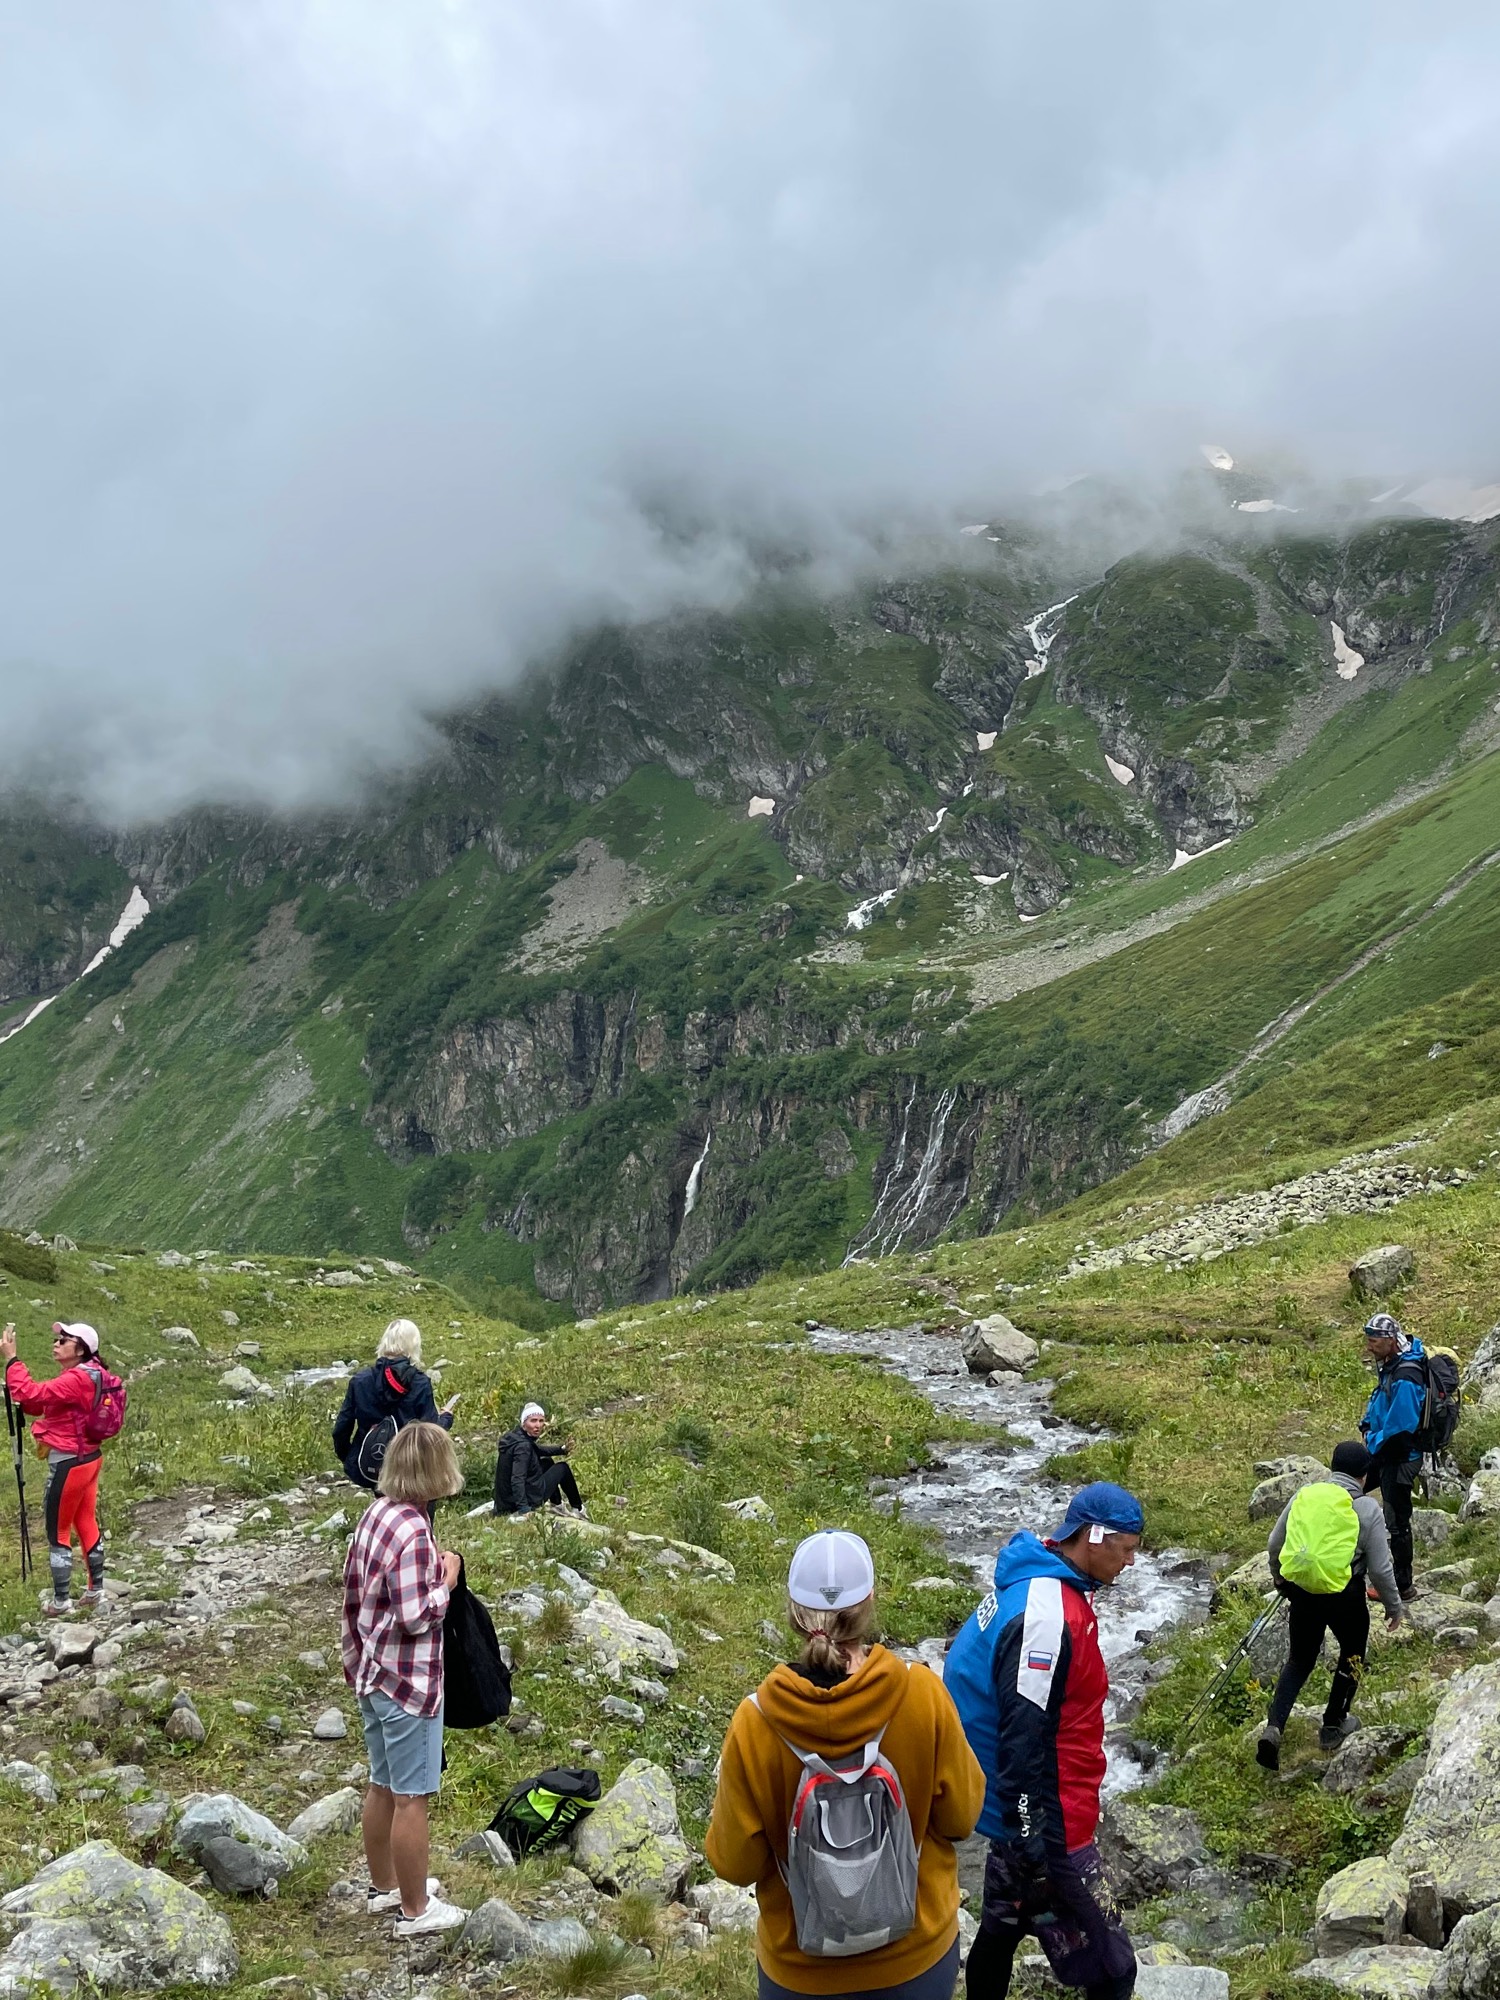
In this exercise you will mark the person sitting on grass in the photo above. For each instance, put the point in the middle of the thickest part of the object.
(527, 1472)
(394, 1387)
(1324, 1553)
(396, 1588)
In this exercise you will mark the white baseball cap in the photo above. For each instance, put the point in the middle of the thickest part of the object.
(830, 1570)
(78, 1330)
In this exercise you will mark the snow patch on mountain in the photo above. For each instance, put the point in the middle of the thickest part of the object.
(1122, 773)
(1345, 659)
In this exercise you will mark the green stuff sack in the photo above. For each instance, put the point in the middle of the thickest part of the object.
(1322, 1533)
(540, 1810)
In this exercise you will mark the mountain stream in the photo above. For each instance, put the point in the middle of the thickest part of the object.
(977, 1494)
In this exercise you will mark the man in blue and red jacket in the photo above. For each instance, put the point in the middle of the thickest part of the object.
(1029, 1682)
(1391, 1426)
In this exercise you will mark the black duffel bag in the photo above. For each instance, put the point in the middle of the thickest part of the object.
(476, 1680)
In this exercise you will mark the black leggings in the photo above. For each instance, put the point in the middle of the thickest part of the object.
(1395, 1494)
(992, 1956)
(559, 1479)
(1344, 1613)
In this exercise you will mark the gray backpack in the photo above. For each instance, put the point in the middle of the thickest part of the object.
(851, 1858)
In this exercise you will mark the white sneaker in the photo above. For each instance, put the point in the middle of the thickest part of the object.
(438, 1916)
(378, 1901)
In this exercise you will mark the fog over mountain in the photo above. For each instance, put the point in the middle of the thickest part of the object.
(353, 353)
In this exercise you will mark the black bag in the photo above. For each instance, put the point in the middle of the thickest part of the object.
(1442, 1401)
(373, 1447)
(476, 1680)
(540, 1810)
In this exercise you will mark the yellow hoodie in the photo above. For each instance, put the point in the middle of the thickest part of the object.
(944, 1787)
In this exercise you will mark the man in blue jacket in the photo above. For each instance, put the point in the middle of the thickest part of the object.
(1392, 1419)
(1029, 1682)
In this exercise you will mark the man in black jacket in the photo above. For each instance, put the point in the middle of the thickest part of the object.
(527, 1472)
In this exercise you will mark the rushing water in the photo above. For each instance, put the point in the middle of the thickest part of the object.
(976, 1495)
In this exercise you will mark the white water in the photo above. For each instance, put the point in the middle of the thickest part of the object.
(1182, 856)
(130, 918)
(862, 913)
(899, 1210)
(977, 1495)
(695, 1179)
(1041, 634)
(989, 881)
(985, 738)
(942, 814)
(1122, 773)
(1345, 659)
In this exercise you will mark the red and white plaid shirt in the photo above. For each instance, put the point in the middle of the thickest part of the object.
(394, 1601)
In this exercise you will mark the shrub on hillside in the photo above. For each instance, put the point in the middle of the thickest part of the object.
(31, 1261)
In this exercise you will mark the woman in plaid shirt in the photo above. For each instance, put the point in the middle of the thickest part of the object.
(396, 1585)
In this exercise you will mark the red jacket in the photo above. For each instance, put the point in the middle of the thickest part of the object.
(59, 1406)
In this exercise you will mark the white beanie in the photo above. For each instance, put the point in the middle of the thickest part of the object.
(532, 1410)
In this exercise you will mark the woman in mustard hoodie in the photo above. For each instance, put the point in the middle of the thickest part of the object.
(840, 1694)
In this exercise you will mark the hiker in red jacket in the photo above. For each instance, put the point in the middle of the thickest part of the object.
(58, 1409)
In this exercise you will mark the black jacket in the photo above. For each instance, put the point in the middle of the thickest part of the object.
(389, 1388)
(521, 1472)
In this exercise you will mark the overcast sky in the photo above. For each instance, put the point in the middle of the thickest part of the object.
(348, 348)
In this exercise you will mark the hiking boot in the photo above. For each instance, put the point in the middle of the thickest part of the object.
(438, 1916)
(1412, 1590)
(1268, 1750)
(57, 1607)
(90, 1600)
(379, 1901)
(1331, 1735)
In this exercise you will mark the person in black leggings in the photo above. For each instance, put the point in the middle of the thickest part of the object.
(530, 1474)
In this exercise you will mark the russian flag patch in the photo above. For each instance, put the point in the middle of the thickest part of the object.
(1039, 1663)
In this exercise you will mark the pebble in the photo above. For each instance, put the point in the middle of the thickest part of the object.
(330, 1726)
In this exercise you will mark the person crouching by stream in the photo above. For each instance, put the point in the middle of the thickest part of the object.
(60, 1408)
(528, 1473)
(396, 1588)
(1328, 1547)
(1029, 1681)
(865, 1759)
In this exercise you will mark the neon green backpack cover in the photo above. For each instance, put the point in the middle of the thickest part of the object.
(1322, 1533)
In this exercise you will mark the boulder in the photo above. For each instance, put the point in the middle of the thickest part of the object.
(330, 1726)
(1181, 1982)
(625, 1645)
(1431, 1526)
(31, 1779)
(337, 1813)
(559, 1937)
(1363, 1904)
(1482, 1501)
(1482, 1376)
(1253, 1576)
(93, 1918)
(212, 1818)
(1149, 1850)
(1427, 1615)
(71, 1645)
(1360, 1757)
(993, 1343)
(1381, 1271)
(496, 1932)
(1381, 1971)
(1453, 1822)
(180, 1336)
(1268, 1499)
(1470, 1967)
(632, 1839)
(751, 1508)
(484, 1846)
(723, 1906)
(240, 1382)
(1424, 1910)
(1489, 1616)
(184, 1725)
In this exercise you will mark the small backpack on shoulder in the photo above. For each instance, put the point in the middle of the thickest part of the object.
(373, 1447)
(1322, 1534)
(106, 1419)
(540, 1810)
(851, 1856)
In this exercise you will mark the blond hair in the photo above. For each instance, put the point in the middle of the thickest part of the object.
(420, 1465)
(401, 1341)
(829, 1637)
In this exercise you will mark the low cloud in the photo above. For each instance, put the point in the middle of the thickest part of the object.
(355, 354)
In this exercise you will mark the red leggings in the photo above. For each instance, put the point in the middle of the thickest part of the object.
(71, 1500)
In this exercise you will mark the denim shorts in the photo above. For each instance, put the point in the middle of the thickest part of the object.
(406, 1751)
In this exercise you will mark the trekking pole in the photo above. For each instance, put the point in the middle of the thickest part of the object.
(1230, 1667)
(15, 1423)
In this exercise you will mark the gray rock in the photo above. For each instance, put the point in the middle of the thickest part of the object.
(1470, 1967)
(559, 1937)
(1424, 1910)
(1453, 1822)
(338, 1812)
(632, 1839)
(1268, 1499)
(1482, 1501)
(184, 1725)
(577, 1589)
(485, 1846)
(993, 1343)
(239, 1381)
(1148, 1850)
(1363, 1904)
(71, 1645)
(724, 1906)
(237, 1869)
(31, 1779)
(330, 1726)
(1381, 1971)
(1379, 1272)
(496, 1932)
(1181, 1982)
(94, 1918)
(220, 1816)
(147, 1817)
(622, 1711)
(751, 1508)
(180, 1336)
(1359, 1758)
(624, 1644)
(1489, 1616)
(650, 1692)
(1431, 1526)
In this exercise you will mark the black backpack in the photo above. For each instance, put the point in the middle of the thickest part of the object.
(1442, 1399)
(540, 1810)
(373, 1447)
(476, 1680)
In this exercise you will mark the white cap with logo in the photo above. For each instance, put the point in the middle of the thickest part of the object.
(830, 1570)
(78, 1330)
